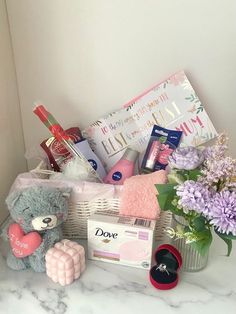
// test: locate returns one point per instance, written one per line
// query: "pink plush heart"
(23, 244)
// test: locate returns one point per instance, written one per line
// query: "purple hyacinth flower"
(193, 196)
(186, 158)
(222, 212)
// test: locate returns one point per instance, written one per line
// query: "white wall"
(85, 58)
(11, 137)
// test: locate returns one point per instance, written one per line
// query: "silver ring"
(163, 268)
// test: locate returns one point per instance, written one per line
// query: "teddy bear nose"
(47, 220)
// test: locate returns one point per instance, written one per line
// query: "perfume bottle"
(123, 169)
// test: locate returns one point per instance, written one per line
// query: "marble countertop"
(106, 288)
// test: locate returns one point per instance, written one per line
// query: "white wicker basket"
(76, 224)
(86, 198)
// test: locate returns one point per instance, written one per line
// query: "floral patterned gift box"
(172, 104)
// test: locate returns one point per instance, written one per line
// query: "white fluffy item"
(74, 169)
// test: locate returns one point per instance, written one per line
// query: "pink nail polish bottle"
(123, 169)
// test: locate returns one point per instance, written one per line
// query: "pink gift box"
(65, 262)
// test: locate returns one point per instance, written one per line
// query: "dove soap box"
(121, 240)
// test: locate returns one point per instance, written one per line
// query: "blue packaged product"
(161, 144)
(92, 158)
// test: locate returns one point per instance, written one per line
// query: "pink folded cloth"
(139, 195)
(65, 262)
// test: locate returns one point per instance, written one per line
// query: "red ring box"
(170, 257)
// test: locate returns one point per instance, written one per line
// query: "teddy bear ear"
(12, 198)
(66, 192)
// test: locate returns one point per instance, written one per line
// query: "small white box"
(121, 240)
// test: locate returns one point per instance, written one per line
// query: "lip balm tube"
(153, 154)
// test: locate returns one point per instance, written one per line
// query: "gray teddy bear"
(38, 213)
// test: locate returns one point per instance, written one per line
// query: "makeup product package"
(161, 144)
(121, 240)
(94, 161)
(56, 152)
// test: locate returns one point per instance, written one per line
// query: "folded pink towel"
(139, 195)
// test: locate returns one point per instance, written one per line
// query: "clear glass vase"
(192, 260)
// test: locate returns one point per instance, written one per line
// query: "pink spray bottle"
(123, 169)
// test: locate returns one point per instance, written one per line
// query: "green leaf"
(162, 200)
(165, 200)
(229, 245)
(204, 242)
(176, 211)
(165, 188)
(227, 238)
(199, 224)
(183, 173)
(189, 174)
(175, 178)
(194, 174)
(166, 194)
(187, 229)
